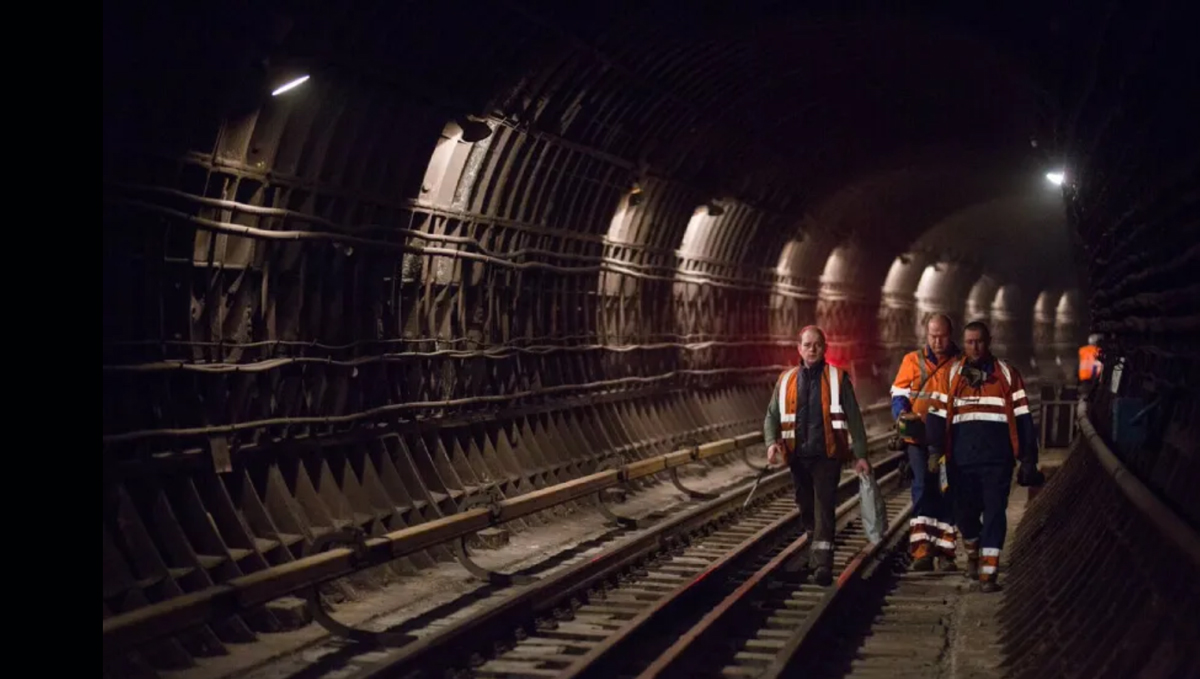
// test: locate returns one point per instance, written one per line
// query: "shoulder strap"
(925, 378)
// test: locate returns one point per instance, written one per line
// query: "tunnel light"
(1055, 178)
(290, 86)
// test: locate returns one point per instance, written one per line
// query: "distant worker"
(1089, 362)
(814, 425)
(985, 425)
(922, 374)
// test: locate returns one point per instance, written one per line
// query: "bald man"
(814, 426)
(924, 373)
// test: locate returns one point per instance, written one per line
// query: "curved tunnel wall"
(980, 298)
(1045, 317)
(898, 309)
(943, 289)
(399, 270)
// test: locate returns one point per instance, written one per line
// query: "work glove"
(1029, 475)
(933, 461)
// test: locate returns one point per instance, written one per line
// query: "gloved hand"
(1029, 475)
(933, 461)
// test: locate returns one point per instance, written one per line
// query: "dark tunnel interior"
(475, 224)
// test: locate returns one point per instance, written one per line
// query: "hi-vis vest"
(999, 400)
(1089, 362)
(837, 427)
(916, 373)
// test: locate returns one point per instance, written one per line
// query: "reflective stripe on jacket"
(837, 428)
(967, 413)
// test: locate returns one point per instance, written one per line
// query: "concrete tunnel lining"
(522, 285)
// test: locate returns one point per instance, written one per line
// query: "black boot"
(922, 564)
(823, 576)
(972, 571)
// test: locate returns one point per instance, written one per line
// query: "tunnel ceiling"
(997, 234)
(876, 123)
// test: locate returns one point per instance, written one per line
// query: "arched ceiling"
(1022, 239)
(876, 122)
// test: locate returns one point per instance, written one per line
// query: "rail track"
(715, 590)
(718, 592)
(584, 620)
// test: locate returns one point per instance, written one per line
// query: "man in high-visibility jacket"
(1089, 361)
(922, 374)
(814, 425)
(984, 426)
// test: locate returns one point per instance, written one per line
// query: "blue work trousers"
(931, 528)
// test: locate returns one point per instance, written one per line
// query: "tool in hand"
(755, 486)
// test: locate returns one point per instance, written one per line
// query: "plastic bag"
(874, 512)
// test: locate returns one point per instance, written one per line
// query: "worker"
(984, 426)
(814, 425)
(1089, 362)
(923, 373)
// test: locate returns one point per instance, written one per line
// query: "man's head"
(937, 333)
(976, 340)
(812, 345)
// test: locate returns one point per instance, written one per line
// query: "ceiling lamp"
(1056, 178)
(289, 86)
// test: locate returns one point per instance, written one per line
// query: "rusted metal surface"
(145, 624)
(269, 507)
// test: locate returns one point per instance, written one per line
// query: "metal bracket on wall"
(614, 462)
(693, 494)
(356, 539)
(490, 498)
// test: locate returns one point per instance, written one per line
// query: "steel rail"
(446, 647)
(592, 662)
(670, 662)
(174, 615)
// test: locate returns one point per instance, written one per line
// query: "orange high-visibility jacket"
(908, 381)
(837, 428)
(1001, 399)
(1089, 362)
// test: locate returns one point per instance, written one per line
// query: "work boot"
(989, 586)
(823, 576)
(972, 568)
(922, 564)
(946, 564)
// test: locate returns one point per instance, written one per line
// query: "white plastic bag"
(874, 512)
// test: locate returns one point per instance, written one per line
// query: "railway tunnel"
(409, 307)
